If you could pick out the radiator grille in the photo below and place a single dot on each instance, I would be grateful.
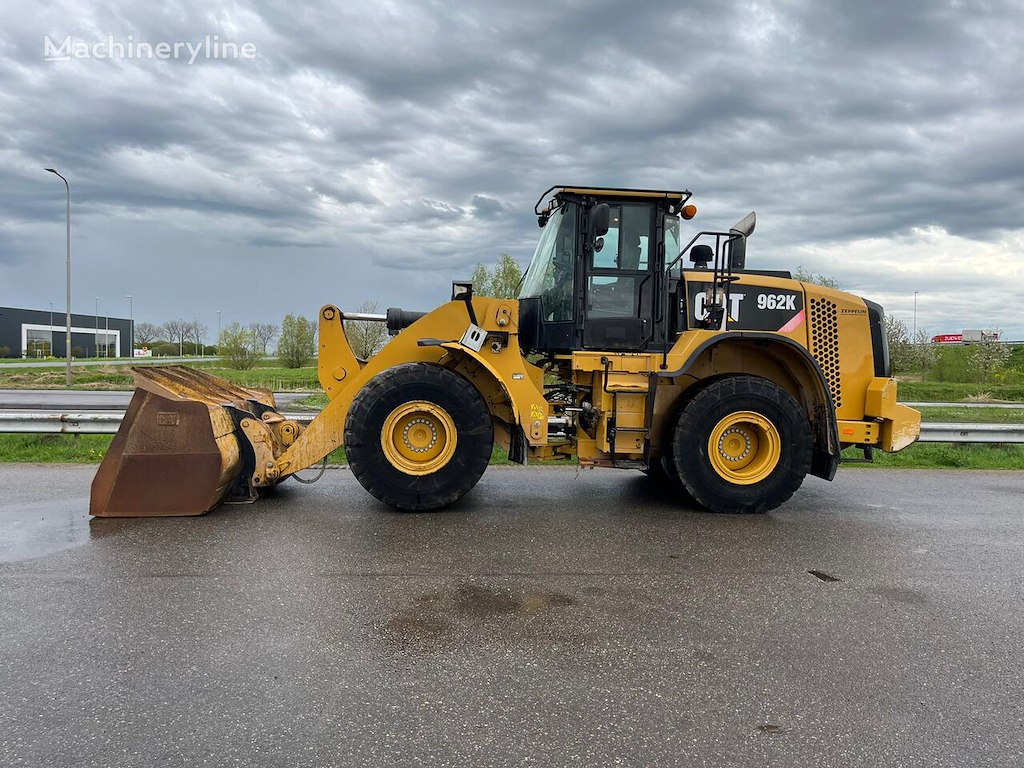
(825, 344)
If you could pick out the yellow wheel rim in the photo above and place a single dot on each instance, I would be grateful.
(418, 437)
(744, 448)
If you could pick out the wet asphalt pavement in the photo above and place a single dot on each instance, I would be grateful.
(555, 617)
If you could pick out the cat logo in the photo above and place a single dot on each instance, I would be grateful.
(703, 298)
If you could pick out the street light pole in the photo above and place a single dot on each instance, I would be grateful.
(51, 330)
(915, 317)
(67, 330)
(131, 327)
(96, 317)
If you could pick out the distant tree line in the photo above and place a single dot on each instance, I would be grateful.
(913, 354)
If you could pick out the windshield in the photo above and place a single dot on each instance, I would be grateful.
(551, 273)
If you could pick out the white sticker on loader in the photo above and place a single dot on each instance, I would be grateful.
(474, 337)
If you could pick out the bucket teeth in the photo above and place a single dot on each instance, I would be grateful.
(181, 449)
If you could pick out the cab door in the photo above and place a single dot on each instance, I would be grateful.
(619, 278)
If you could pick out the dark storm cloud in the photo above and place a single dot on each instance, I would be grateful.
(416, 136)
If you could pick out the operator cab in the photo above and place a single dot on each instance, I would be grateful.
(599, 269)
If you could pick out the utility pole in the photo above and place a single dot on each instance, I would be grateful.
(67, 330)
(96, 317)
(915, 317)
(131, 327)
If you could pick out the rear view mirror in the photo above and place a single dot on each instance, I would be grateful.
(599, 219)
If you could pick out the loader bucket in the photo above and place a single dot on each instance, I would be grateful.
(179, 450)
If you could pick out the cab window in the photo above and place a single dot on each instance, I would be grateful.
(626, 245)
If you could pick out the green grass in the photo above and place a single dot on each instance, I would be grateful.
(272, 377)
(948, 392)
(313, 402)
(972, 415)
(946, 456)
(54, 449)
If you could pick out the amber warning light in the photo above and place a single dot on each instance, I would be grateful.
(688, 212)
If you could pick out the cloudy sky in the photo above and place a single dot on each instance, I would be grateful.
(377, 151)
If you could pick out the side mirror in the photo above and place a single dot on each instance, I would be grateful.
(600, 216)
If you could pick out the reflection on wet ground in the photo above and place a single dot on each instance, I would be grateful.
(42, 510)
(467, 609)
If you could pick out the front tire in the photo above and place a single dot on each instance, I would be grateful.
(663, 475)
(418, 437)
(742, 445)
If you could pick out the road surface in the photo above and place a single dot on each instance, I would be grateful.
(553, 618)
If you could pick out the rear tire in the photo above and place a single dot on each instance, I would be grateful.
(742, 445)
(418, 437)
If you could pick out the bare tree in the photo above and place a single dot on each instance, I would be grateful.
(147, 333)
(264, 333)
(179, 331)
(364, 336)
(924, 350)
(197, 332)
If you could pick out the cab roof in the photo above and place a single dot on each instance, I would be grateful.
(678, 197)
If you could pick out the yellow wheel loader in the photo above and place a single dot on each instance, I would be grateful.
(636, 342)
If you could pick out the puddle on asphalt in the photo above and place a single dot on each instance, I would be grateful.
(30, 531)
(437, 614)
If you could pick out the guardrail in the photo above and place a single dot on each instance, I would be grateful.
(107, 422)
(83, 423)
(971, 433)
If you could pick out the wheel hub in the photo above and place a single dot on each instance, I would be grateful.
(418, 437)
(744, 448)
